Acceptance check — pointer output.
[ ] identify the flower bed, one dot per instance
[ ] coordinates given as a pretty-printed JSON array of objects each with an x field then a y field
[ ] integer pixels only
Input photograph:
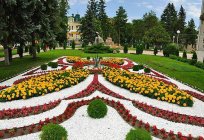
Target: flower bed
[
  {"x": 117, "y": 61},
  {"x": 148, "y": 86},
  {"x": 44, "y": 84}
]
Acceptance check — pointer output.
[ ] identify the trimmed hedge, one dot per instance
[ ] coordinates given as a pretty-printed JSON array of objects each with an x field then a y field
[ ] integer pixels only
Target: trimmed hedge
[
  {"x": 43, "y": 67},
  {"x": 53, "y": 132},
  {"x": 97, "y": 109},
  {"x": 98, "y": 49},
  {"x": 53, "y": 64},
  {"x": 171, "y": 49},
  {"x": 189, "y": 61},
  {"x": 138, "y": 134},
  {"x": 147, "y": 70},
  {"x": 137, "y": 67}
]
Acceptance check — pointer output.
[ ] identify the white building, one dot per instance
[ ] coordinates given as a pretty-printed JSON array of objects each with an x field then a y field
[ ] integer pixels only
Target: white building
[{"x": 200, "y": 44}]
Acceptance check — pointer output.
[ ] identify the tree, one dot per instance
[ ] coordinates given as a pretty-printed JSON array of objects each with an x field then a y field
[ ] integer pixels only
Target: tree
[
  {"x": 138, "y": 30},
  {"x": 181, "y": 23},
  {"x": 62, "y": 34},
  {"x": 89, "y": 26},
  {"x": 120, "y": 21},
  {"x": 93, "y": 7},
  {"x": 169, "y": 19},
  {"x": 7, "y": 25},
  {"x": 190, "y": 35},
  {"x": 103, "y": 19},
  {"x": 73, "y": 45},
  {"x": 157, "y": 36}
]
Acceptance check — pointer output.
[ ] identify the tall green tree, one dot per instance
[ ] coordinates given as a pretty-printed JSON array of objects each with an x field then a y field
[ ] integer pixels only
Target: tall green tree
[
  {"x": 7, "y": 25},
  {"x": 181, "y": 23},
  {"x": 169, "y": 19},
  {"x": 190, "y": 35},
  {"x": 93, "y": 7},
  {"x": 103, "y": 19},
  {"x": 62, "y": 35},
  {"x": 150, "y": 20},
  {"x": 138, "y": 30},
  {"x": 90, "y": 24},
  {"x": 157, "y": 36},
  {"x": 120, "y": 21}
]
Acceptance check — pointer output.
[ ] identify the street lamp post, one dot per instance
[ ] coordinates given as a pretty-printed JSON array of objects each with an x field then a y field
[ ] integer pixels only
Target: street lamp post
[{"x": 178, "y": 32}]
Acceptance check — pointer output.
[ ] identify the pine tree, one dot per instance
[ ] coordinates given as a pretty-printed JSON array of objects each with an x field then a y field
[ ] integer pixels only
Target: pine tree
[
  {"x": 90, "y": 24},
  {"x": 169, "y": 19},
  {"x": 181, "y": 23},
  {"x": 62, "y": 35},
  {"x": 103, "y": 19},
  {"x": 190, "y": 33},
  {"x": 120, "y": 21},
  {"x": 93, "y": 7},
  {"x": 7, "y": 25}
]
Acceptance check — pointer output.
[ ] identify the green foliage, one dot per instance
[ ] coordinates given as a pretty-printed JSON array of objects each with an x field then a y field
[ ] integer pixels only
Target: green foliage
[
  {"x": 120, "y": 21},
  {"x": 97, "y": 109},
  {"x": 53, "y": 132},
  {"x": 20, "y": 51},
  {"x": 155, "y": 50},
  {"x": 147, "y": 70},
  {"x": 194, "y": 57},
  {"x": 137, "y": 67},
  {"x": 139, "y": 49},
  {"x": 53, "y": 64},
  {"x": 169, "y": 19},
  {"x": 184, "y": 55},
  {"x": 73, "y": 45},
  {"x": 43, "y": 67},
  {"x": 98, "y": 49},
  {"x": 138, "y": 134},
  {"x": 38, "y": 48},
  {"x": 125, "y": 49},
  {"x": 157, "y": 36},
  {"x": 88, "y": 57},
  {"x": 171, "y": 49}
]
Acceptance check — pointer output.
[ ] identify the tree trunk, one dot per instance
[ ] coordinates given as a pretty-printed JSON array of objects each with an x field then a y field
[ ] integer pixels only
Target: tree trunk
[
  {"x": 33, "y": 46},
  {"x": 6, "y": 54}
]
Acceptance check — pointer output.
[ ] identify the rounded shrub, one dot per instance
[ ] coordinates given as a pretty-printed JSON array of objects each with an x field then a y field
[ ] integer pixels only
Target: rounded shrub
[
  {"x": 53, "y": 64},
  {"x": 147, "y": 70},
  {"x": 138, "y": 134},
  {"x": 184, "y": 55},
  {"x": 53, "y": 132},
  {"x": 137, "y": 67},
  {"x": 171, "y": 49},
  {"x": 43, "y": 67},
  {"x": 97, "y": 109},
  {"x": 88, "y": 57}
]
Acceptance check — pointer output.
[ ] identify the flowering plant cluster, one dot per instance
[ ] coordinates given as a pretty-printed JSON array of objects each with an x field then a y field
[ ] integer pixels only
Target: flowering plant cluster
[
  {"x": 43, "y": 84},
  {"x": 74, "y": 59},
  {"x": 117, "y": 61},
  {"x": 147, "y": 86}
]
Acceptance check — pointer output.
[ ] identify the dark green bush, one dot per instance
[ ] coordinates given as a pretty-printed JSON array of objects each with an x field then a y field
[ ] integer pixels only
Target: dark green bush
[
  {"x": 53, "y": 132},
  {"x": 97, "y": 109},
  {"x": 155, "y": 50},
  {"x": 53, "y": 64},
  {"x": 88, "y": 57},
  {"x": 73, "y": 45},
  {"x": 139, "y": 49},
  {"x": 43, "y": 67},
  {"x": 147, "y": 70},
  {"x": 125, "y": 49},
  {"x": 137, "y": 67},
  {"x": 138, "y": 134},
  {"x": 184, "y": 55},
  {"x": 171, "y": 49},
  {"x": 194, "y": 57},
  {"x": 26, "y": 48},
  {"x": 38, "y": 48},
  {"x": 20, "y": 51},
  {"x": 98, "y": 49}
]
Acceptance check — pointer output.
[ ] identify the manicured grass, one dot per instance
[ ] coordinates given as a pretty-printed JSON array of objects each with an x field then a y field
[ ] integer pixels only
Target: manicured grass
[
  {"x": 14, "y": 51},
  {"x": 179, "y": 70}
]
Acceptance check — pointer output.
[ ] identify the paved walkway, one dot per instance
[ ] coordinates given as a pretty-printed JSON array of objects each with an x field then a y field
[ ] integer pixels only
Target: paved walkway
[{"x": 121, "y": 51}]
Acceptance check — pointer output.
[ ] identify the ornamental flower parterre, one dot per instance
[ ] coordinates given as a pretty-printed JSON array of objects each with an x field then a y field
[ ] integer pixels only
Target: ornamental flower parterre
[
  {"x": 147, "y": 86},
  {"x": 117, "y": 61},
  {"x": 43, "y": 84}
]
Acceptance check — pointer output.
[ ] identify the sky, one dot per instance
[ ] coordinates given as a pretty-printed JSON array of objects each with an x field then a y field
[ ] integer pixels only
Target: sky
[{"x": 137, "y": 8}]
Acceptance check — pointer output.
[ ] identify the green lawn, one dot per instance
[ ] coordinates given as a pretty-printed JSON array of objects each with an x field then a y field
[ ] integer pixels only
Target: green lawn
[
  {"x": 14, "y": 51},
  {"x": 181, "y": 71}
]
